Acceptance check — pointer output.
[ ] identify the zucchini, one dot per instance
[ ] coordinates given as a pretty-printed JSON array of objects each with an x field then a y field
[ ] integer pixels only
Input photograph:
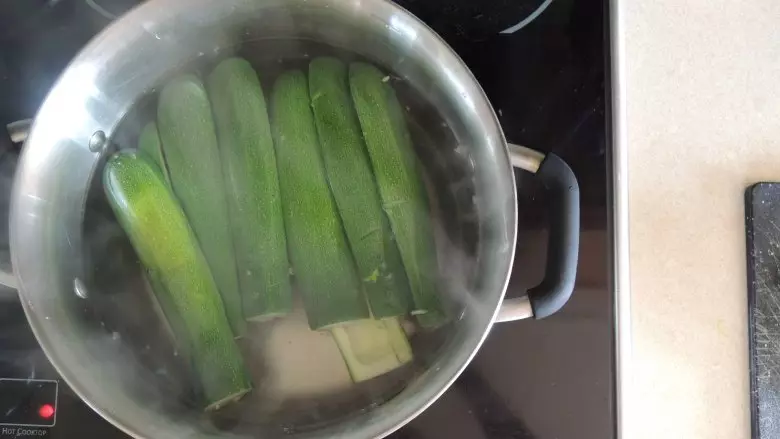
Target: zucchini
[
  {"x": 149, "y": 144},
  {"x": 189, "y": 141},
  {"x": 324, "y": 270},
  {"x": 150, "y": 147},
  {"x": 252, "y": 183},
  {"x": 400, "y": 186},
  {"x": 372, "y": 347},
  {"x": 165, "y": 244},
  {"x": 351, "y": 180},
  {"x": 167, "y": 310}
]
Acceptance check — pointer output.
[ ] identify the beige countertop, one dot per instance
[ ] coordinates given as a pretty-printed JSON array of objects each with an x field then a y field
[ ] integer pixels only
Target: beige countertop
[{"x": 702, "y": 122}]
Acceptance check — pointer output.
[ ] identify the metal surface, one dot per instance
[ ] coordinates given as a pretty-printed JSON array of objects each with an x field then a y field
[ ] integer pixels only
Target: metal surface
[
  {"x": 7, "y": 278},
  {"x": 19, "y": 130},
  {"x": 529, "y": 160},
  {"x": 17, "y": 133},
  {"x": 619, "y": 219},
  {"x": 524, "y": 158},
  {"x": 8, "y": 160},
  {"x": 129, "y": 59},
  {"x": 518, "y": 308}
]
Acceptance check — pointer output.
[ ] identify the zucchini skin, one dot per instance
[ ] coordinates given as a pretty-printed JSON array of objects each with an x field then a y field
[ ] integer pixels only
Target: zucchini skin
[
  {"x": 354, "y": 189},
  {"x": 150, "y": 148},
  {"x": 252, "y": 182},
  {"x": 187, "y": 132},
  {"x": 149, "y": 143},
  {"x": 322, "y": 263},
  {"x": 165, "y": 244},
  {"x": 403, "y": 196}
]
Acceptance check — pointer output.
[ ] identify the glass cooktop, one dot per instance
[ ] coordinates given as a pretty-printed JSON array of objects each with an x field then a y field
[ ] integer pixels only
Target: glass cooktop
[{"x": 542, "y": 64}]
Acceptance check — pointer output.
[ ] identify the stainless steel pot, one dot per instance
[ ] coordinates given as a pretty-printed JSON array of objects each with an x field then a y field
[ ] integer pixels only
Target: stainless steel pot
[{"x": 73, "y": 132}]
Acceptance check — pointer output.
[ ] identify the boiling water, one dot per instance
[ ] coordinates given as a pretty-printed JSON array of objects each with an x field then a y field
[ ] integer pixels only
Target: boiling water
[{"x": 300, "y": 379}]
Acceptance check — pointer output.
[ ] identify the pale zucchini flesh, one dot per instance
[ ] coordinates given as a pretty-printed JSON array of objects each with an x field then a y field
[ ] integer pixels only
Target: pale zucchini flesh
[{"x": 372, "y": 347}]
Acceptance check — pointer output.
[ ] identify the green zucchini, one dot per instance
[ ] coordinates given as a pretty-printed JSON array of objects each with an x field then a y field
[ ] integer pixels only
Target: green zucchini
[
  {"x": 323, "y": 266},
  {"x": 165, "y": 244},
  {"x": 150, "y": 147},
  {"x": 189, "y": 141},
  {"x": 354, "y": 189},
  {"x": 149, "y": 143},
  {"x": 252, "y": 183},
  {"x": 172, "y": 319},
  {"x": 400, "y": 186}
]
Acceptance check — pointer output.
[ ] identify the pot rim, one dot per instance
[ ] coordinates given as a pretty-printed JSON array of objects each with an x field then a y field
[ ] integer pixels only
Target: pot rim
[{"x": 27, "y": 235}]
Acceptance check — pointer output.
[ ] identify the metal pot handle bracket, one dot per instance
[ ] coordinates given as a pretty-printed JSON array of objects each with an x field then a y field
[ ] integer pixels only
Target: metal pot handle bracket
[
  {"x": 17, "y": 133},
  {"x": 563, "y": 243}
]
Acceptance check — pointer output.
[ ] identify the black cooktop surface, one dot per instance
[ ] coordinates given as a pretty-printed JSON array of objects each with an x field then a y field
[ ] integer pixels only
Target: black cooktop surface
[{"x": 542, "y": 64}]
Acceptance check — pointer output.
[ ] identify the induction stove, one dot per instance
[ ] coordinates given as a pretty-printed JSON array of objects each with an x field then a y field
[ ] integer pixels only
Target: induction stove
[{"x": 543, "y": 66}]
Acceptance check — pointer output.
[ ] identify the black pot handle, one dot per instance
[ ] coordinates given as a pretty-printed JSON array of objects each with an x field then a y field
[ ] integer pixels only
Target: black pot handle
[{"x": 563, "y": 246}]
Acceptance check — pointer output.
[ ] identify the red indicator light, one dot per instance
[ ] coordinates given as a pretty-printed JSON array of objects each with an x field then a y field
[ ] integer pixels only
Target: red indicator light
[{"x": 46, "y": 411}]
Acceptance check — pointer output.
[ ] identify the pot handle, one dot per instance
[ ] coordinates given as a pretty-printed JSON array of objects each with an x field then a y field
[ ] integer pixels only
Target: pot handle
[
  {"x": 563, "y": 243},
  {"x": 17, "y": 133}
]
